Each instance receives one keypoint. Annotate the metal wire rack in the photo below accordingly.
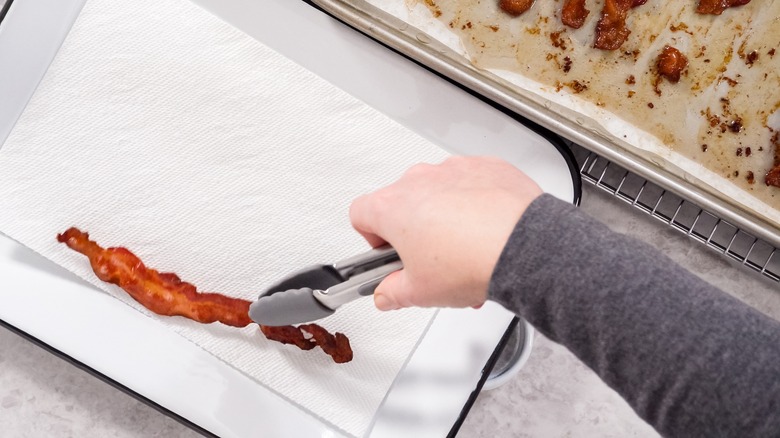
(682, 215)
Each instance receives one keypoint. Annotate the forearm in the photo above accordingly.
(688, 358)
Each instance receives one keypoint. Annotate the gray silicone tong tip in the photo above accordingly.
(276, 309)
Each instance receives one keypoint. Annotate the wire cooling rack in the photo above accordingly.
(680, 214)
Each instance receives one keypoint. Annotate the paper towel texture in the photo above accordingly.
(162, 129)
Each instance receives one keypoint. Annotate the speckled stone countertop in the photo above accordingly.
(554, 395)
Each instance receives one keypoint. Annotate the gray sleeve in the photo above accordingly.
(691, 360)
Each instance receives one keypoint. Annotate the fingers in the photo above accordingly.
(372, 239)
(368, 212)
(386, 295)
(362, 215)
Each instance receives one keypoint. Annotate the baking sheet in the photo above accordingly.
(667, 138)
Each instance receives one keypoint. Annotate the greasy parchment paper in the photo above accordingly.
(732, 82)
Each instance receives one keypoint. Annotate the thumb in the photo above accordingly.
(390, 292)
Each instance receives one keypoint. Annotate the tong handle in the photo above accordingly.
(360, 285)
(366, 261)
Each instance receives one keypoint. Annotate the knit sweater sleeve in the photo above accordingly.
(690, 360)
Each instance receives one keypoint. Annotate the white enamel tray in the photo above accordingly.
(97, 332)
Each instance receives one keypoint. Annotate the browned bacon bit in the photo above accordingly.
(735, 125)
(515, 7)
(574, 13)
(557, 41)
(751, 58)
(566, 64)
(611, 30)
(773, 177)
(671, 63)
(337, 346)
(165, 294)
(716, 7)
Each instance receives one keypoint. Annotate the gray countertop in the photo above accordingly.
(553, 396)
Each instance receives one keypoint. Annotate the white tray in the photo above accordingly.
(137, 354)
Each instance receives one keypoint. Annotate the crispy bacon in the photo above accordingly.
(574, 13)
(337, 343)
(166, 294)
(611, 30)
(671, 63)
(716, 7)
(515, 7)
(772, 177)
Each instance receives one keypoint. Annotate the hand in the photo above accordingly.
(449, 223)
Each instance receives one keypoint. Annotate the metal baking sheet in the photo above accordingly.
(567, 122)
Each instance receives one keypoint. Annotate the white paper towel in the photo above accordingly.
(160, 128)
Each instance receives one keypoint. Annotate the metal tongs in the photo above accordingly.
(317, 291)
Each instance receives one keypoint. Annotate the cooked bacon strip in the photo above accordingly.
(611, 30)
(162, 293)
(574, 13)
(336, 345)
(716, 7)
(165, 294)
(515, 7)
